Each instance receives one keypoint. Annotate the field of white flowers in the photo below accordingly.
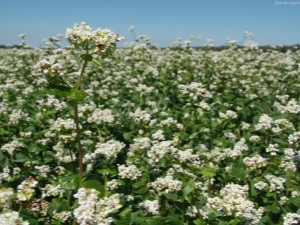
(149, 136)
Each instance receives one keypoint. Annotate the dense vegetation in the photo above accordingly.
(169, 136)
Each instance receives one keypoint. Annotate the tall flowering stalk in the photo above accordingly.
(92, 43)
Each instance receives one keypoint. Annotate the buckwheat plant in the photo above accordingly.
(92, 45)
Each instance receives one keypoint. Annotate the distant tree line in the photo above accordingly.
(11, 46)
(281, 48)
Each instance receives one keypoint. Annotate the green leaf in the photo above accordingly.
(97, 62)
(127, 136)
(34, 148)
(295, 201)
(29, 217)
(273, 208)
(156, 221)
(108, 171)
(199, 222)
(253, 191)
(63, 91)
(208, 172)
(20, 157)
(239, 172)
(190, 186)
(87, 57)
(171, 196)
(235, 221)
(4, 161)
(280, 141)
(125, 217)
(93, 184)
(58, 205)
(70, 182)
(77, 95)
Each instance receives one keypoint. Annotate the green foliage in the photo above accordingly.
(94, 184)
(70, 94)
(156, 221)
(192, 125)
(58, 205)
(124, 217)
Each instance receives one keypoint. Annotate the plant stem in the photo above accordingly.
(74, 221)
(77, 86)
(80, 152)
(288, 183)
(99, 135)
(105, 185)
(20, 209)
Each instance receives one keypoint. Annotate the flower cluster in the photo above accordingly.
(109, 150)
(100, 41)
(26, 189)
(48, 67)
(168, 184)
(62, 216)
(276, 183)
(233, 202)
(6, 196)
(195, 90)
(12, 218)
(101, 116)
(255, 162)
(158, 150)
(39, 206)
(129, 172)
(92, 210)
(12, 146)
(52, 190)
(150, 206)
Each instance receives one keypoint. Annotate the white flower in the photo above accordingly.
(43, 170)
(276, 183)
(272, 149)
(291, 218)
(168, 183)
(158, 135)
(26, 189)
(260, 185)
(158, 150)
(229, 114)
(264, 122)
(101, 41)
(255, 162)
(22, 36)
(110, 149)
(51, 190)
(113, 184)
(92, 210)
(101, 116)
(47, 67)
(150, 206)
(11, 218)
(130, 172)
(233, 202)
(6, 197)
(12, 146)
(130, 29)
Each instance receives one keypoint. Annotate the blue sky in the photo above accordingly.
(271, 22)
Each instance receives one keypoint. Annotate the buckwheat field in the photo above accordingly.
(92, 134)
